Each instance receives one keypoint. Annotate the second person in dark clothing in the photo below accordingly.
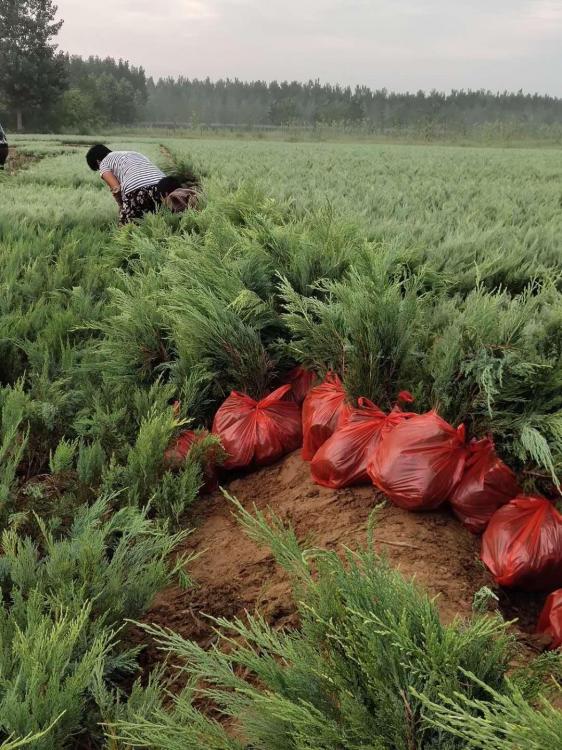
(4, 150)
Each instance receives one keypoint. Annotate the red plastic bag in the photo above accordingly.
(343, 459)
(258, 432)
(487, 484)
(522, 545)
(302, 381)
(405, 397)
(550, 621)
(324, 410)
(176, 454)
(420, 462)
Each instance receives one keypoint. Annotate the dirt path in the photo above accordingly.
(233, 575)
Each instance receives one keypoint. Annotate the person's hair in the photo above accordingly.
(167, 185)
(97, 154)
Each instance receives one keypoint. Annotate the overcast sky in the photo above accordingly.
(400, 44)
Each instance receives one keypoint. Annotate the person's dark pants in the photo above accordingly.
(3, 156)
(138, 203)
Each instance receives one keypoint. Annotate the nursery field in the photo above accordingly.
(419, 279)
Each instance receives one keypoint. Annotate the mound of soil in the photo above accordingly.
(232, 575)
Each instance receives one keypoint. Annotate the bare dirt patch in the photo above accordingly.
(18, 160)
(232, 575)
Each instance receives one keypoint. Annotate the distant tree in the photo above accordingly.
(283, 111)
(355, 109)
(117, 90)
(77, 112)
(32, 73)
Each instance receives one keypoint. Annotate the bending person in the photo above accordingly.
(132, 178)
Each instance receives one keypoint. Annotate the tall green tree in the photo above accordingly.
(32, 72)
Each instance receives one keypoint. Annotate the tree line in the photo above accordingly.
(235, 102)
(44, 89)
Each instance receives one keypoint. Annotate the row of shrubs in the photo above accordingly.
(107, 334)
(248, 292)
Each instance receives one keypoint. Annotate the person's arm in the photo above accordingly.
(113, 183)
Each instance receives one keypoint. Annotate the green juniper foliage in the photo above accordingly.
(432, 270)
(14, 435)
(90, 463)
(368, 327)
(11, 743)
(437, 290)
(46, 670)
(65, 597)
(63, 457)
(498, 721)
(368, 659)
(174, 494)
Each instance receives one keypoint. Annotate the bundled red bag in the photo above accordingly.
(302, 381)
(486, 485)
(324, 410)
(176, 454)
(522, 545)
(343, 459)
(419, 463)
(550, 621)
(258, 431)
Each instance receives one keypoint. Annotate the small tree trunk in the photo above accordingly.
(19, 119)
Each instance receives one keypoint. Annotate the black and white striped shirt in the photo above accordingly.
(132, 170)
(3, 139)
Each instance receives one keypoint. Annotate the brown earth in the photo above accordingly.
(18, 160)
(232, 575)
